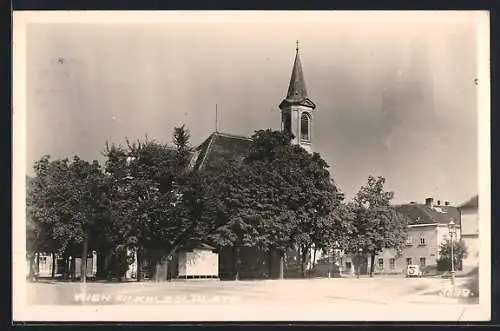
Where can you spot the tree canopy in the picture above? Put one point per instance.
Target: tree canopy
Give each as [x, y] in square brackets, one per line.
[146, 199]
[376, 224]
[279, 197]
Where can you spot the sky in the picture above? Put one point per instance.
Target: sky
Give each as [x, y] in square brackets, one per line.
[395, 98]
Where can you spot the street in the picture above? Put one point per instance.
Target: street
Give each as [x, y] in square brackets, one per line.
[336, 299]
[377, 290]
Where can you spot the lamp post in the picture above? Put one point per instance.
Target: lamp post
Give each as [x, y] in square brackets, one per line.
[452, 230]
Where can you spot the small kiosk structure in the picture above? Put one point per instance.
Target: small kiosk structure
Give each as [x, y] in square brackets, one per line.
[197, 260]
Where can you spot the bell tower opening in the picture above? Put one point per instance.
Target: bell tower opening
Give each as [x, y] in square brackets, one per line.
[305, 127]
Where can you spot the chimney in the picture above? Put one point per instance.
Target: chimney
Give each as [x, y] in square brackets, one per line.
[428, 202]
[446, 203]
[439, 202]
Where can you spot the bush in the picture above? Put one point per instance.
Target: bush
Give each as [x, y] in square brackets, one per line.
[430, 270]
[444, 264]
[459, 253]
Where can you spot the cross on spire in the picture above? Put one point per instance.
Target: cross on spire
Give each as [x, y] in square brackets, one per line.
[297, 49]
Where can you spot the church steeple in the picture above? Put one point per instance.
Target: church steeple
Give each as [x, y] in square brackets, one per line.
[297, 92]
[297, 109]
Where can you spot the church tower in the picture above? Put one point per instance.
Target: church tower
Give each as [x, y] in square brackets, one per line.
[297, 109]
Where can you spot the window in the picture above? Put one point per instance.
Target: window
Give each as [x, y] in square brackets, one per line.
[422, 262]
[409, 241]
[381, 263]
[348, 265]
[305, 127]
[392, 263]
[422, 241]
[409, 261]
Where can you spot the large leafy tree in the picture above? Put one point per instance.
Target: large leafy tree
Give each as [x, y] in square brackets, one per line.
[278, 197]
[153, 204]
[140, 176]
[306, 192]
[377, 224]
[90, 201]
[67, 204]
[313, 197]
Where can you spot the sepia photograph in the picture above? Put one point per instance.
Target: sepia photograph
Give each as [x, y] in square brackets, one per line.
[251, 166]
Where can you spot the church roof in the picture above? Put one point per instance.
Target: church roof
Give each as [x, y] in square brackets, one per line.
[473, 203]
[423, 214]
[297, 91]
[219, 147]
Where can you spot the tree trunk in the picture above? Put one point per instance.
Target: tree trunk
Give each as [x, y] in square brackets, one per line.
[37, 266]
[313, 264]
[53, 265]
[303, 260]
[66, 268]
[329, 264]
[270, 264]
[139, 262]
[72, 271]
[157, 275]
[281, 256]
[357, 265]
[85, 252]
[237, 263]
[372, 263]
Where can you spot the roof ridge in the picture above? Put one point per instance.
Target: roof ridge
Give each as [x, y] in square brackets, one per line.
[230, 135]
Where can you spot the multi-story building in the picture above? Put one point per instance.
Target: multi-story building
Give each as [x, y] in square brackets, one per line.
[428, 228]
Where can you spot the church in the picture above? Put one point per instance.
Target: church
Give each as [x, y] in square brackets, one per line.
[297, 115]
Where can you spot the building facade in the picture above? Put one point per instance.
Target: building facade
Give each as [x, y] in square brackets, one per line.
[469, 215]
[427, 230]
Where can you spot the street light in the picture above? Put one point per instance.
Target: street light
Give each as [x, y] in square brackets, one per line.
[453, 231]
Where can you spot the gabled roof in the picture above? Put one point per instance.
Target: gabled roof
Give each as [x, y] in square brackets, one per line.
[219, 147]
[473, 203]
[195, 244]
[297, 92]
[423, 214]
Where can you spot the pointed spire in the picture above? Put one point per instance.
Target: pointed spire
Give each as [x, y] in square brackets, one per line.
[297, 92]
[297, 89]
